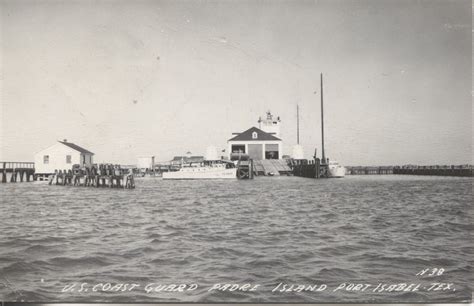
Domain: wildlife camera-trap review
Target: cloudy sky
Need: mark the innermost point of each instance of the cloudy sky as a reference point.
(129, 78)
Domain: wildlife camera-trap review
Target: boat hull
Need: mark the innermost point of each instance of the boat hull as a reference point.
(201, 174)
(337, 172)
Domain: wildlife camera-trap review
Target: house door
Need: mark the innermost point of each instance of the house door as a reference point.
(255, 151)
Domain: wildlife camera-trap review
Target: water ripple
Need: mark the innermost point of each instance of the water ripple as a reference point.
(269, 230)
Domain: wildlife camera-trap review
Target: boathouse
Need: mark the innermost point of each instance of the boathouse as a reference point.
(62, 156)
(259, 143)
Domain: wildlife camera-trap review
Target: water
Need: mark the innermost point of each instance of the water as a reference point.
(361, 229)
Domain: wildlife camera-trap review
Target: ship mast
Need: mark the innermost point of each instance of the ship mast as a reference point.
(322, 122)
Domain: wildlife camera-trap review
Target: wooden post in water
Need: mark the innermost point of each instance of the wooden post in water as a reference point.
(13, 177)
(251, 169)
(317, 168)
(317, 164)
(4, 175)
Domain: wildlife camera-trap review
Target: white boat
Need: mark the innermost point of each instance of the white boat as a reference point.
(336, 170)
(203, 171)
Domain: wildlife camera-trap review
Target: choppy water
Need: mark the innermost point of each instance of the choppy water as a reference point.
(365, 229)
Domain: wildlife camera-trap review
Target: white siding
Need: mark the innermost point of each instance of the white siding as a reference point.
(57, 158)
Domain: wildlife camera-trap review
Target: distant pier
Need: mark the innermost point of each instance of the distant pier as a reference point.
(314, 169)
(19, 171)
(435, 170)
(369, 170)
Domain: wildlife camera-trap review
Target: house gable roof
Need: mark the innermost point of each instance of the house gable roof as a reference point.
(261, 135)
(75, 147)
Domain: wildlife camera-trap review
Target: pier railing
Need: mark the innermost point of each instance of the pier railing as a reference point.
(17, 170)
(17, 165)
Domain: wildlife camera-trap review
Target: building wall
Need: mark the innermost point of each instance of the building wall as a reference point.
(57, 159)
(246, 143)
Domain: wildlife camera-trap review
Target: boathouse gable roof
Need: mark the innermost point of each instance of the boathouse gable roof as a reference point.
(76, 147)
(254, 134)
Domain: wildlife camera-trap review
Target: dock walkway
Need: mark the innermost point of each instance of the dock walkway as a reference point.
(274, 166)
(18, 171)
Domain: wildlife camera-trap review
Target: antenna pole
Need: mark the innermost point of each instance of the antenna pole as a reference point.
(297, 124)
(322, 122)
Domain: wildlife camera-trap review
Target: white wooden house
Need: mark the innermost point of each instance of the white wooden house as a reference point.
(61, 156)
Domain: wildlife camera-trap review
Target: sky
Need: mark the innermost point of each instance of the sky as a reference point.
(135, 78)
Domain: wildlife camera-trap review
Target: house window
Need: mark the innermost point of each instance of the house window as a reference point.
(46, 159)
(254, 135)
(271, 151)
(238, 149)
(68, 159)
(83, 159)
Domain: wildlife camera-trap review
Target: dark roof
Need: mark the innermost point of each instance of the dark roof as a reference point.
(247, 135)
(76, 147)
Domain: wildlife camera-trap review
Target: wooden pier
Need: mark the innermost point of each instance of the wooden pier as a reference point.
(103, 175)
(245, 166)
(313, 168)
(309, 168)
(245, 169)
(435, 170)
(360, 170)
(271, 167)
(20, 171)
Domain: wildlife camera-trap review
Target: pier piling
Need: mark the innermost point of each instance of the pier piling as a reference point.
(103, 175)
(245, 169)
